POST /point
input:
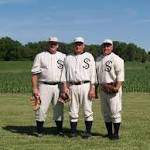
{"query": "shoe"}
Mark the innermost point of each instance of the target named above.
(73, 135)
(60, 134)
(87, 135)
(114, 137)
(59, 127)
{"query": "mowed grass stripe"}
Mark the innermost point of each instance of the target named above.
(18, 126)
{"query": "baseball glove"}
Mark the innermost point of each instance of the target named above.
(64, 98)
(109, 88)
(35, 103)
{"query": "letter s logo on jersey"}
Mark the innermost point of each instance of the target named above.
(60, 64)
(108, 65)
(86, 61)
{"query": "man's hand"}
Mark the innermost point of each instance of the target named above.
(35, 103)
(91, 93)
(36, 93)
(64, 94)
(64, 98)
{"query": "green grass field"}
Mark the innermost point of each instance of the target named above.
(17, 127)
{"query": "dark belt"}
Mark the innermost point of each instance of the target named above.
(49, 83)
(79, 83)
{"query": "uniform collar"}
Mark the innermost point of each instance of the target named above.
(51, 53)
(79, 54)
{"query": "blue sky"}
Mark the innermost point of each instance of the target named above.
(35, 20)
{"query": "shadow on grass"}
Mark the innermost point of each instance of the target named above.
(31, 130)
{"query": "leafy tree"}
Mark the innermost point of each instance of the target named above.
(10, 49)
(148, 56)
(14, 50)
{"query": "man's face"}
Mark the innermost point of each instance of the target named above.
(107, 48)
(53, 47)
(79, 47)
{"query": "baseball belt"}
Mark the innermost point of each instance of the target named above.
(49, 83)
(79, 83)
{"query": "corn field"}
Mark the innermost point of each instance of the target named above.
(15, 77)
(15, 82)
(137, 81)
(137, 77)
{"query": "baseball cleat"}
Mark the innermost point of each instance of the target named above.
(73, 135)
(60, 134)
(87, 135)
(114, 137)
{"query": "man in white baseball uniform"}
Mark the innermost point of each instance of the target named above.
(80, 83)
(46, 74)
(110, 74)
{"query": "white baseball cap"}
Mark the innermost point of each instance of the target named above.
(109, 41)
(79, 39)
(53, 39)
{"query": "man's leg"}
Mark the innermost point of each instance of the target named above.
(39, 125)
(109, 130)
(73, 130)
(116, 131)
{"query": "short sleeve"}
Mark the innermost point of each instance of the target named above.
(119, 68)
(93, 71)
(63, 75)
(36, 68)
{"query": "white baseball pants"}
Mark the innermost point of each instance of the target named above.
(111, 106)
(49, 94)
(79, 96)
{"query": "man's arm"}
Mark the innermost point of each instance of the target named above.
(35, 89)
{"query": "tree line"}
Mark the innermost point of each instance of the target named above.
(13, 50)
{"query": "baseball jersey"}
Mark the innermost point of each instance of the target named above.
(110, 68)
(80, 67)
(48, 66)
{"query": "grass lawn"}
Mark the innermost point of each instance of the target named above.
(17, 126)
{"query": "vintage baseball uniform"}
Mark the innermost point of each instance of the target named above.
(110, 68)
(49, 67)
(80, 72)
